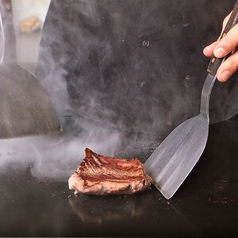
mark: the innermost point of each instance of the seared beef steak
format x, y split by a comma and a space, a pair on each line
101, 175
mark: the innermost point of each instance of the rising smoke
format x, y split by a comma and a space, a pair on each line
112, 92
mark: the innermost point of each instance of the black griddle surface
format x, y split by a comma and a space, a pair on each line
205, 205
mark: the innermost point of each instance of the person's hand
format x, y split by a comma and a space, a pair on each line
221, 48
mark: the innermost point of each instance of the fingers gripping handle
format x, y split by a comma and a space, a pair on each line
216, 62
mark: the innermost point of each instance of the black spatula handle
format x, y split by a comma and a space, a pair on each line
216, 62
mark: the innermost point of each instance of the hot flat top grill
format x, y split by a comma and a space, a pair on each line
203, 206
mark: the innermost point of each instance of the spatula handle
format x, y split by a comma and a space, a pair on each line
216, 62
7, 33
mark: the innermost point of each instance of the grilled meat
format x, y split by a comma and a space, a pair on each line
102, 175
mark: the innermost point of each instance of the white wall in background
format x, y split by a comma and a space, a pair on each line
28, 44
25, 8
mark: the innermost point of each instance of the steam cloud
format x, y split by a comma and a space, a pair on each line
122, 111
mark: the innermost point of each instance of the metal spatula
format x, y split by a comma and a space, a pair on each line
176, 156
25, 108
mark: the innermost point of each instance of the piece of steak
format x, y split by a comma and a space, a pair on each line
102, 175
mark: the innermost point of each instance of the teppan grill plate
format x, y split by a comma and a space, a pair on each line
205, 205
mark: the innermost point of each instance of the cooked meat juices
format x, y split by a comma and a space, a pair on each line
102, 175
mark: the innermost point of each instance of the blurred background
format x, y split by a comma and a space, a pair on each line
28, 41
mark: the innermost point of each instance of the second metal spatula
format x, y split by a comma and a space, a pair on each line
25, 108
173, 160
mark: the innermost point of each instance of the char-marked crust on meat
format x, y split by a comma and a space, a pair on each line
102, 175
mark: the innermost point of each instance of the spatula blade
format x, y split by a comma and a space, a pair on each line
176, 156
25, 109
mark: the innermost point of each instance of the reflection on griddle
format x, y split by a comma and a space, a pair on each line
99, 209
